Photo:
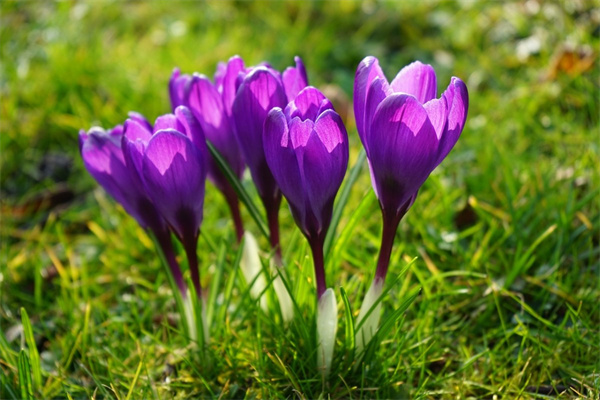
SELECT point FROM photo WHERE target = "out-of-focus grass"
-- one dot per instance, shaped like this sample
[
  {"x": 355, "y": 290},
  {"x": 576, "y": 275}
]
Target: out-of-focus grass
[{"x": 506, "y": 231}]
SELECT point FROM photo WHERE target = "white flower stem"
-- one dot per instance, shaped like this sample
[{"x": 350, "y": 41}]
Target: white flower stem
[
  {"x": 285, "y": 301},
  {"x": 326, "y": 330},
  {"x": 252, "y": 269},
  {"x": 370, "y": 325}
]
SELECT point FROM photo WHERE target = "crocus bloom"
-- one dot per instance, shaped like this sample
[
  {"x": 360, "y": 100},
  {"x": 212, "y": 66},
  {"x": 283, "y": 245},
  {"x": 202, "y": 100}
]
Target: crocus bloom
[
  {"x": 259, "y": 90},
  {"x": 178, "y": 88},
  {"x": 205, "y": 100},
  {"x": 104, "y": 159},
  {"x": 406, "y": 131},
  {"x": 306, "y": 148},
  {"x": 172, "y": 164}
]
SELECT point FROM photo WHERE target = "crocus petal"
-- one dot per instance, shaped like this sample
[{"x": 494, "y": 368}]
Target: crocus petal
[
  {"x": 417, "y": 79},
  {"x": 294, "y": 79},
  {"x": 377, "y": 92},
  {"x": 134, "y": 155},
  {"x": 177, "y": 88},
  {"x": 403, "y": 149},
  {"x": 300, "y": 132},
  {"x": 167, "y": 121},
  {"x": 174, "y": 174},
  {"x": 235, "y": 65},
  {"x": 457, "y": 98},
  {"x": 220, "y": 74},
  {"x": 282, "y": 161},
  {"x": 367, "y": 71},
  {"x": 206, "y": 105},
  {"x": 135, "y": 130},
  {"x": 135, "y": 139},
  {"x": 308, "y": 104},
  {"x": 140, "y": 119},
  {"x": 325, "y": 160},
  {"x": 104, "y": 160},
  {"x": 437, "y": 110},
  {"x": 191, "y": 128},
  {"x": 259, "y": 92}
]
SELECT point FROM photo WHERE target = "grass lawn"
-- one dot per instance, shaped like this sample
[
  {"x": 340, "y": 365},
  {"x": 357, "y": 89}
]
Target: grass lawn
[{"x": 494, "y": 281}]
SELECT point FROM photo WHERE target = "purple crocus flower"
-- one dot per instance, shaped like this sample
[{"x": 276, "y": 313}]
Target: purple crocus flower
[
  {"x": 171, "y": 162},
  {"x": 406, "y": 132},
  {"x": 104, "y": 159},
  {"x": 294, "y": 79},
  {"x": 260, "y": 89},
  {"x": 306, "y": 148},
  {"x": 206, "y": 101},
  {"x": 178, "y": 88}
]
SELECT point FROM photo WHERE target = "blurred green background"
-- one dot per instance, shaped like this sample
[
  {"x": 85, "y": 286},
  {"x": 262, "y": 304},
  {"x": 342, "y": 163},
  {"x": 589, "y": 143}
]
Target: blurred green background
[{"x": 516, "y": 200}]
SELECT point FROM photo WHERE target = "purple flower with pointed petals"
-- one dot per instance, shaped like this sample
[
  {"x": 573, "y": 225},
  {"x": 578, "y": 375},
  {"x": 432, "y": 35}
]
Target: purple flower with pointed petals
[
  {"x": 306, "y": 148},
  {"x": 171, "y": 162},
  {"x": 294, "y": 79},
  {"x": 206, "y": 104},
  {"x": 257, "y": 91},
  {"x": 206, "y": 101},
  {"x": 106, "y": 161},
  {"x": 260, "y": 91},
  {"x": 178, "y": 88},
  {"x": 406, "y": 132}
]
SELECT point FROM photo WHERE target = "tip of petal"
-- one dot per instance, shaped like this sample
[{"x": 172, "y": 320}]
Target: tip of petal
[{"x": 331, "y": 130}]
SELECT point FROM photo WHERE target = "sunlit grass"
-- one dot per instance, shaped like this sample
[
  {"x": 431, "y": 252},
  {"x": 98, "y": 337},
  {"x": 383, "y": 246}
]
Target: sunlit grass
[{"x": 505, "y": 231}]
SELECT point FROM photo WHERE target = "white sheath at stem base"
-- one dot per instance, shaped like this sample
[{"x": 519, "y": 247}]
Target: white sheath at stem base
[
  {"x": 368, "y": 329},
  {"x": 205, "y": 323},
  {"x": 252, "y": 269},
  {"x": 326, "y": 330},
  {"x": 285, "y": 301},
  {"x": 188, "y": 306}
]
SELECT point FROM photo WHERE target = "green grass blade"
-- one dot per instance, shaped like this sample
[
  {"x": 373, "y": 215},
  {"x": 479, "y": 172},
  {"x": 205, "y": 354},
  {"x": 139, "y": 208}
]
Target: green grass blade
[
  {"x": 214, "y": 288},
  {"x": 135, "y": 379},
  {"x": 521, "y": 265},
  {"x": 231, "y": 283},
  {"x": 7, "y": 354},
  {"x": 25, "y": 375},
  {"x": 174, "y": 288},
  {"x": 384, "y": 293},
  {"x": 349, "y": 230},
  {"x": 342, "y": 200},
  {"x": 239, "y": 189},
  {"x": 387, "y": 324},
  {"x": 34, "y": 356},
  {"x": 349, "y": 325},
  {"x": 6, "y": 389}
]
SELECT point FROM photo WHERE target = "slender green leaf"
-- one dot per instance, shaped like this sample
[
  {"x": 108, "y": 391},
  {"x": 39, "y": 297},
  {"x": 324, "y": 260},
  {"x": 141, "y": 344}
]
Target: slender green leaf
[
  {"x": 239, "y": 189},
  {"x": 8, "y": 354},
  {"x": 214, "y": 289},
  {"x": 179, "y": 300},
  {"x": 384, "y": 293},
  {"x": 342, "y": 200},
  {"x": 6, "y": 389},
  {"x": 231, "y": 282},
  {"x": 135, "y": 379},
  {"x": 25, "y": 375},
  {"x": 34, "y": 356},
  {"x": 349, "y": 325}
]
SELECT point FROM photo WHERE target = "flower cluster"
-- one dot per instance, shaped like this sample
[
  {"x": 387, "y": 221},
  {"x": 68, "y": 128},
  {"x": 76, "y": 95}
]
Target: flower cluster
[{"x": 295, "y": 145}]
